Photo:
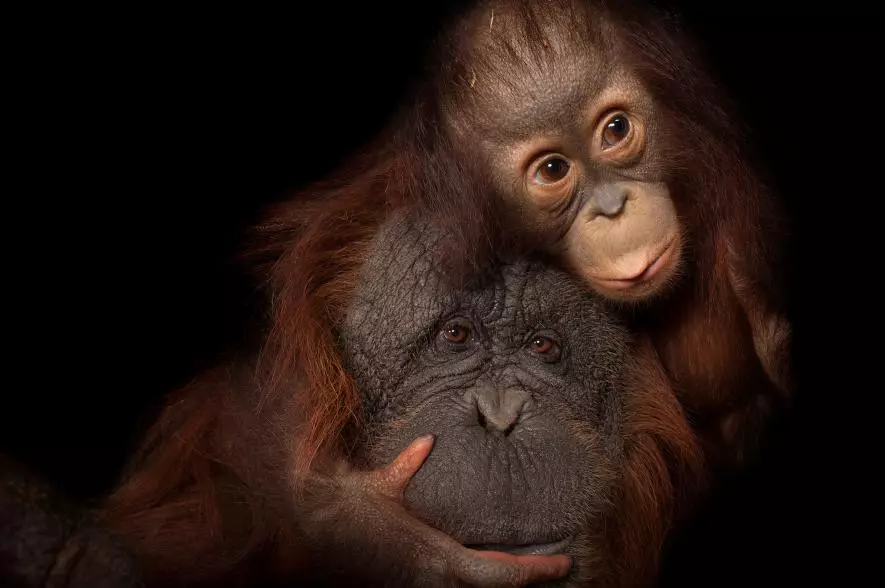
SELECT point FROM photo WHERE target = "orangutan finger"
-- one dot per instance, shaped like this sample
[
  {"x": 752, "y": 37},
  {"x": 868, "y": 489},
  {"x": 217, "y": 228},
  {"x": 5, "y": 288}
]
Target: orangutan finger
[
  {"x": 392, "y": 480},
  {"x": 495, "y": 569}
]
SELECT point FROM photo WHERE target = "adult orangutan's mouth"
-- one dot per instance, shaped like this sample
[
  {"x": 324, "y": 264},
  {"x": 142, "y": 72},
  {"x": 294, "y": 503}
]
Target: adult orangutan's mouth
[{"x": 525, "y": 549}]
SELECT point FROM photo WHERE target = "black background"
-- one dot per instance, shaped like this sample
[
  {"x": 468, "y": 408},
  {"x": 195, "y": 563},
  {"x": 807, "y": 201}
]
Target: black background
[{"x": 142, "y": 144}]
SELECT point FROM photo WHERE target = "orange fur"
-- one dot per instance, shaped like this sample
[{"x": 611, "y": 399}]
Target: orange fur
[
  {"x": 193, "y": 507},
  {"x": 665, "y": 470},
  {"x": 205, "y": 500}
]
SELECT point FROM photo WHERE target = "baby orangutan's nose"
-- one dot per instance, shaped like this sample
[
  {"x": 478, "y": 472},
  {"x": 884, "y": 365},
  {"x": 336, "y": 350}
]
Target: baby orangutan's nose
[
  {"x": 608, "y": 200},
  {"x": 498, "y": 410}
]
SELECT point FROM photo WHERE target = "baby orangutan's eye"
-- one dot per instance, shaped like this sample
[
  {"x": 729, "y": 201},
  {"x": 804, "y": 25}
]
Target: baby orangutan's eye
[
  {"x": 617, "y": 128},
  {"x": 552, "y": 170}
]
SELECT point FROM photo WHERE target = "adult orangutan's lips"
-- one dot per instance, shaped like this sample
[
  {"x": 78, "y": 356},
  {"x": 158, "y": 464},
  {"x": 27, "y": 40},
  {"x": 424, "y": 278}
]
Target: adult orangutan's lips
[
  {"x": 658, "y": 262},
  {"x": 526, "y": 549}
]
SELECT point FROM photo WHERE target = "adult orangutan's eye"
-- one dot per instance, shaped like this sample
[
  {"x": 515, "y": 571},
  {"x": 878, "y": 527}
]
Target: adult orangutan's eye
[
  {"x": 545, "y": 347},
  {"x": 542, "y": 345},
  {"x": 456, "y": 333}
]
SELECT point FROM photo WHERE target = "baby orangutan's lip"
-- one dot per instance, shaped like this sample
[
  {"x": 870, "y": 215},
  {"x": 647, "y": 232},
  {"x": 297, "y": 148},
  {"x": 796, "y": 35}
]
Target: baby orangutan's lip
[
  {"x": 659, "y": 261},
  {"x": 525, "y": 549}
]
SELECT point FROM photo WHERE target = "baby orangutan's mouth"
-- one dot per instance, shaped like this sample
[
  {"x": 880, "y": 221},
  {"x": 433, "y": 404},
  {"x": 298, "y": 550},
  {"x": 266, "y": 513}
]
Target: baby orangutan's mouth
[{"x": 525, "y": 549}]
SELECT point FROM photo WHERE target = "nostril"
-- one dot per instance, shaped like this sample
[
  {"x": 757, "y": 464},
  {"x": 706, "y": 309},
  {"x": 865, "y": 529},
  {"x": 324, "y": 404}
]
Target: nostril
[
  {"x": 496, "y": 426},
  {"x": 608, "y": 201},
  {"x": 497, "y": 411}
]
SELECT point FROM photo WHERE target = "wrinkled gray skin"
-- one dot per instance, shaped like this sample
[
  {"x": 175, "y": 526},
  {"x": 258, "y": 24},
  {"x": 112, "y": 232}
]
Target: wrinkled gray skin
[{"x": 527, "y": 446}]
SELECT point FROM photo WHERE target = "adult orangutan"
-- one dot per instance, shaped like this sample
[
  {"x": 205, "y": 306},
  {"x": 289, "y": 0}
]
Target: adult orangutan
[{"x": 556, "y": 455}]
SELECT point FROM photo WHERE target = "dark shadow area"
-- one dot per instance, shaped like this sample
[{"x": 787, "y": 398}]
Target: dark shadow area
[{"x": 145, "y": 148}]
